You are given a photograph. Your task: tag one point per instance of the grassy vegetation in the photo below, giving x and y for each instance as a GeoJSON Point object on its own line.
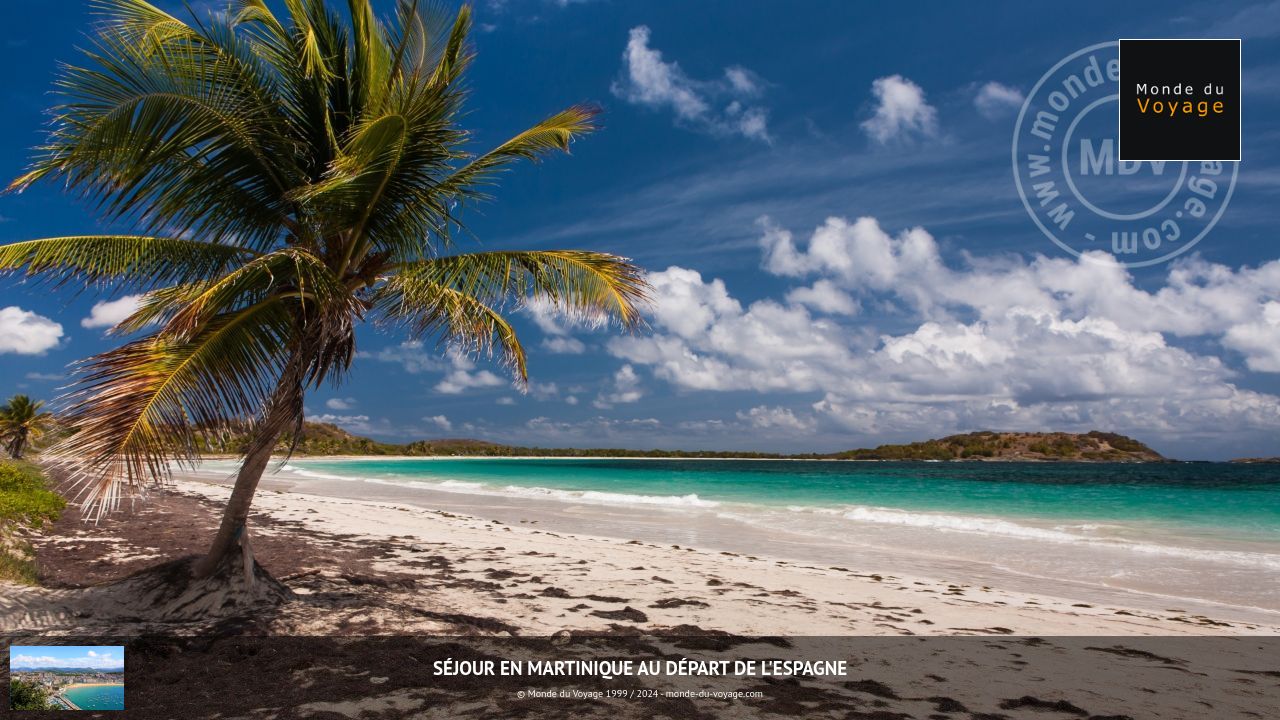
{"type": "Point", "coordinates": [26, 504]}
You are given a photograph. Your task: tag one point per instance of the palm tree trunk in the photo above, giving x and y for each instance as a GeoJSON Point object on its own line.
{"type": "Point", "coordinates": [281, 412]}
{"type": "Point", "coordinates": [19, 444]}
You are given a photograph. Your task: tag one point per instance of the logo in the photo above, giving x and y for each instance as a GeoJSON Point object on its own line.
{"type": "Point", "coordinates": [1082, 196]}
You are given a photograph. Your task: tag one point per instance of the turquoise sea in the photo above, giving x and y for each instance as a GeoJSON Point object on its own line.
{"type": "Point", "coordinates": [99, 697]}
{"type": "Point", "coordinates": [1207, 531]}
{"type": "Point", "coordinates": [1211, 499]}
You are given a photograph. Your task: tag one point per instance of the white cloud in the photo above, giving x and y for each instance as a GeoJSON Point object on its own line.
{"type": "Point", "coordinates": [743, 81]}
{"type": "Point", "coordinates": [464, 376]}
{"type": "Point", "coordinates": [347, 421]}
{"type": "Point", "coordinates": [995, 101]}
{"type": "Point", "coordinates": [110, 313]}
{"type": "Point", "coordinates": [564, 346]}
{"type": "Point", "coordinates": [412, 355]}
{"type": "Point", "coordinates": [719, 107]}
{"type": "Point", "coordinates": [1258, 339]}
{"type": "Point", "coordinates": [25, 333]}
{"type": "Point", "coordinates": [440, 421]}
{"type": "Point", "coordinates": [340, 403]}
{"type": "Point", "coordinates": [775, 418]}
{"type": "Point", "coordinates": [364, 425]}
{"type": "Point", "coordinates": [556, 323]}
{"type": "Point", "coordinates": [626, 389]}
{"type": "Point", "coordinates": [48, 377]}
{"type": "Point", "coordinates": [901, 111]}
{"type": "Point", "coordinates": [1050, 343]}
{"type": "Point", "coordinates": [91, 659]}
{"type": "Point", "coordinates": [506, 400]}
{"type": "Point", "coordinates": [824, 296]}
{"type": "Point", "coordinates": [596, 431]}
{"type": "Point", "coordinates": [460, 372]}
{"type": "Point", "coordinates": [544, 391]}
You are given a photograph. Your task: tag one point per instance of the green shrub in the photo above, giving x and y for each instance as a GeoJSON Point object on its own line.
{"type": "Point", "coordinates": [24, 499]}
{"type": "Point", "coordinates": [28, 696]}
{"type": "Point", "coordinates": [25, 503]}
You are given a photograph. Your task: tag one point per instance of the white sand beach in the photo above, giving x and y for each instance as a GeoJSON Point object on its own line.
{"type": "Point", "coordinates": [541, 579]}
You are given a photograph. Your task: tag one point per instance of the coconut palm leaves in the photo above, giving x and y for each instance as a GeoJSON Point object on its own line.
{"type": "Point", "coordinates": [283, 177]}
{"type": "Point", "coordinates": [22, 422]}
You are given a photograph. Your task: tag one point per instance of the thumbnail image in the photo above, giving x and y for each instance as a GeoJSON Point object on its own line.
{"type": "Point", "coordinates": [66, 677]}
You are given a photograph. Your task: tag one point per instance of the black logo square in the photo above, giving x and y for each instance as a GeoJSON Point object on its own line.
{"type": "Point", "coordinates": [1179, 100]}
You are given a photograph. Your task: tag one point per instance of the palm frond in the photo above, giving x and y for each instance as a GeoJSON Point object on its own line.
{"type": "Point", "coordinates": [143, 405]}
{"type": "Point", "coordinates": [174, 129]}
{"type": "Point", "coordinates": [555, 133]}
{"type": "Point", "coordinates": [455, 319]}
{"type": "Point", "coordinates": [460, 297]}
{"type": "Point", "coordinates": [126, 261]}
{"type": "Point", "coordinates": [582, 284]}
{"type": "Point", "coordinates": [289, 272]}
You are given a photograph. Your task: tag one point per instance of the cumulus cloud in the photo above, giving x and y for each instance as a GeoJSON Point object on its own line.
{"type": "Point", "coordinates": [23, 332]}
{"type": "Point", "coordinates": [824, 296]}
{"type": "Point", "coordinates": [901, 111]}
{"type": "Point", "coordinates": [338, 419]}
{"type": "Point", "coordinates": [1258, 339]}
{"type": "Point", "coordinates": [460, 371]}
{"type": "Point", "coordinates": [340, 403]}
{"type": "Point", "coordinates": [626, 389]}
{"type": "Point", "coordinates": [364, 425]}
{"type": "Point", "coordinates": [995, 342]}
{"type": "Point", "coordinates": [720, 107]}
{"type": "Point", "coordinates": [764, 417]}
{"type": "Point", "coordinates": [91, 659]}
{"type": "Point", "coordinates": [597, 430]}
{"type": "Point", "coordinates": [411, 355]}
{"type": "Point", "coordinates": [464, 376]}
{"type": "Point", "coordinates": [110, 313]}
{"type": "Point", "coordinates": [440, 421]}
{"type": "Point", "coordinates": [564, 346]}
{"type": "Point", "coordinates": [556, 324]}
{"type": "Point", "coordinates": [995, 101]}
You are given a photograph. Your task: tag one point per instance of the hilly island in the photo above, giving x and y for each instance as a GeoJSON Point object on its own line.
{"type": "Point", "coordinates": [321, 439]}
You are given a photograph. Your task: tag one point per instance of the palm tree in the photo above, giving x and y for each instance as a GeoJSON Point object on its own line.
{"type": "Point", "coordinates": [283, 181]}
{"type": "Point", "coordinates": [21, 422]}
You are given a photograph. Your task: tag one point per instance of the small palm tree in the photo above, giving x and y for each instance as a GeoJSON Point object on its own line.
{"type": "Point", "coordinates": [21, 423]}
{"type": "Point", "coordinates": [285, 179]}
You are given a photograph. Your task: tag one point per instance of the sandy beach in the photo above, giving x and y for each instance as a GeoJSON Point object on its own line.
{"type": "Point", "coordinates": [381, 590]}
{"type": "Point", "coordinates": [406, 568]}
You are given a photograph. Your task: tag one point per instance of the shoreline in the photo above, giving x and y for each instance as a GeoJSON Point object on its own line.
{"type": "Point", "coordinates": [386, 518]}
{"type": "Point", "coordinates": [1156, 566]}
{"type": "Point", "coordinates": [362, 562]}
{"type": "Point", "coordinates": [1033, 461]}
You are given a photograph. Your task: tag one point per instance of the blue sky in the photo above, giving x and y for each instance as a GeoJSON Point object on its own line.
{"type": "Point", "coordinates": [823, 196]}
{"type": "Point", "coordinates": [29, 657]}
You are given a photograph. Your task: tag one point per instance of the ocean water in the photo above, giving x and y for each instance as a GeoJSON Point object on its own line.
{"type": "Point", "coordinates": [1195, 530]}
{"type": "Point", "coordinates": [99, 697]}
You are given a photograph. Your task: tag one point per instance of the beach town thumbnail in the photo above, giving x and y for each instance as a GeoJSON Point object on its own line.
{"type": "Point", "coordinates": [68, 677]}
